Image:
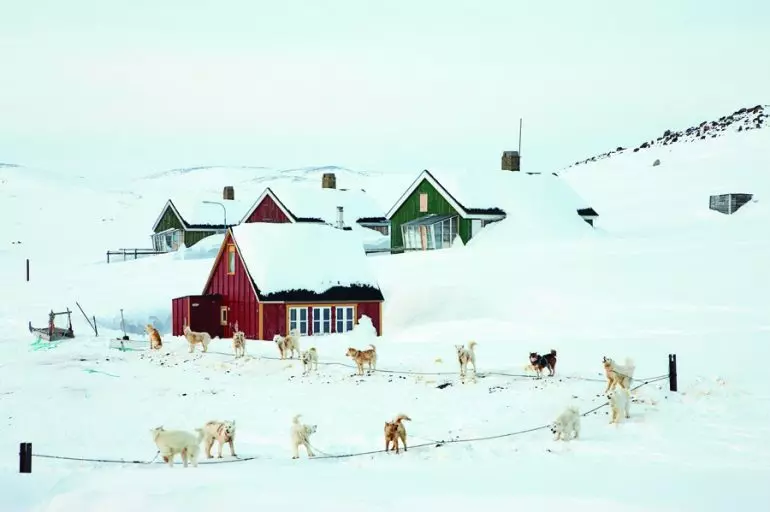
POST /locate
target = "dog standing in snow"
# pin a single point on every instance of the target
(620, 402)
(395, 430)
(222, 432)
(617, 374)
(363, 356)
(465, 356)
(194, 338)
(239, 342)
(300, 435)
(309, 360)
(155, 341)
(567, 424)
(173, 442)
(288, 344)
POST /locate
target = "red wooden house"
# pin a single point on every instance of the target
(273, 277)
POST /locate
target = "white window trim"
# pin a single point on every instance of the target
(298, 325)
(224, 313)
(321, 320)
(159, 240)
(345, 318)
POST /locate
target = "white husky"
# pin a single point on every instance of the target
(172, 442)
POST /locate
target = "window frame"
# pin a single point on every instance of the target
(297, 322)
(345, 319)
(321, 321)
(230, 259)
(224, 313)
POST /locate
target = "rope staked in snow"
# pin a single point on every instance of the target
(410, 372)
(355, 454)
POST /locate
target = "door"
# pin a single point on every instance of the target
(205, 314)
(424, 237)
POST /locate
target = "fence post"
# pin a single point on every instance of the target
(25, 457)
(672, 382)
(96, 330)
(27, 269)
(108, 256)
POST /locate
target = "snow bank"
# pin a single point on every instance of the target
(314, 257)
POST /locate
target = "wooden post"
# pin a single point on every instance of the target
(27, 269)
(96, 330)
(25, 457)
(672, 382)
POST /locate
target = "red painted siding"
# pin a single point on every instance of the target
(201, 313)
(274, 319)
(267, 211)
(178, 315)
(237, 294)
(372, 310)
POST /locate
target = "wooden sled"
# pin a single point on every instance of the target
(53, 333)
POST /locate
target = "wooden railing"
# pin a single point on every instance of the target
(133, 253)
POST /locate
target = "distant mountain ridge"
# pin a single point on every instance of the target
(748, 118)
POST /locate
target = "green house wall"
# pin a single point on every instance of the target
(170, 221)
(410, 210)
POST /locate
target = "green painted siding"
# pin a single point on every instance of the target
(168, 221)
(193, 237)
(410, 210)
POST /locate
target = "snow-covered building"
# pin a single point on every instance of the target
(188, 220)
(351, 209)
(273, 277)
(439, 206)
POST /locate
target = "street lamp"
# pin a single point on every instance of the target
(223, 209)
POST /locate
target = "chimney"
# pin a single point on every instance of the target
(340, 220)
(511, 161)
(329, 180)
(228, 194)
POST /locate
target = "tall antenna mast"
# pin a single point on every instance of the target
(520, 123)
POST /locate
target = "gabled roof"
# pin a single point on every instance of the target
(308, 262)
(304, 203)
(493, 193)
(195, 215)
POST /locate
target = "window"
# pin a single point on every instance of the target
(223, 315)
(423, 203)
(298, 320)
(345, 317)
(168, 240)
(322, 321)
(448, 230)
(230, 259)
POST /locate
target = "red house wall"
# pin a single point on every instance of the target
(267, 211)
(273, 320)
(237, 294)
(178, 315)
(372, 310)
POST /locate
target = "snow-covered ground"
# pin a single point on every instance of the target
(696, 288)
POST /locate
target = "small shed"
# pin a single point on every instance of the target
(274, 277)
(728, 203)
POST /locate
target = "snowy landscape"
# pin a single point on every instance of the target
(659, 274)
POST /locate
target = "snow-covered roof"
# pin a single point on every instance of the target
(305, 261)
(305, 202)
(196, 214)
(497, 192)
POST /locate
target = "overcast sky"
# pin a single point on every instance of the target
(134, 87)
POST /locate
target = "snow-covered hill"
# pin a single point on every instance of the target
(665, 187)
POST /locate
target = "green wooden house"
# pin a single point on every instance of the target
(439, 208)
(186, 221)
